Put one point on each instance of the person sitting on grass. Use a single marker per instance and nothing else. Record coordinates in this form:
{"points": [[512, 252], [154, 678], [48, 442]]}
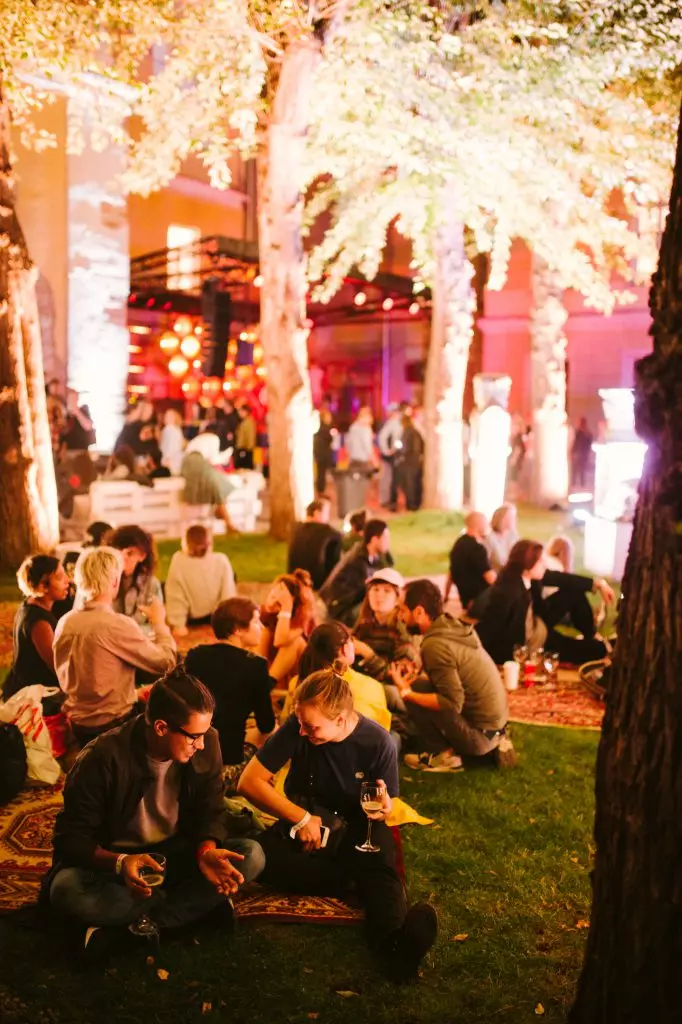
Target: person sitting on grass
{"points": [[151, 787], [139, 585], [332, 751], [344, 591], [199, 578], [520, 611], [97, 650], [379, 637], [315, 545], [469, 565], [331, 645], [43, 581], [461, 708], [288, 617], [239, 682]]}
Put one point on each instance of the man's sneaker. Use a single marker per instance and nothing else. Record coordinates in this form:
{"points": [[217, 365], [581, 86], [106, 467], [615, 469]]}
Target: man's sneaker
{"points": [[443, 763], [413, 941], [504, 754]]}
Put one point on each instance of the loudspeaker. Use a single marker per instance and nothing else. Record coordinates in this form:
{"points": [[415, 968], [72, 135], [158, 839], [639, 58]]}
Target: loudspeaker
{"points": [[216, 313]]}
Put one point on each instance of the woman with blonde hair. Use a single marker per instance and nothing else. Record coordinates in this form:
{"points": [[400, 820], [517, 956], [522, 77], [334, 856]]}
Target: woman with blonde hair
{"points": [[502, 536], [314, 846]]}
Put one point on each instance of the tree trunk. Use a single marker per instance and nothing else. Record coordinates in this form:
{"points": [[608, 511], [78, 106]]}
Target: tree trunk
{"points": [[29, 519], [446, 368], [548, 389], [631, 973], [282, 263]]}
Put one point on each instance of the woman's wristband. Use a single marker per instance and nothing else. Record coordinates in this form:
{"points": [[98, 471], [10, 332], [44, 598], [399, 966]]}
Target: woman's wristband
{"points": [[119, 863], [202, 848], [295, 829]]}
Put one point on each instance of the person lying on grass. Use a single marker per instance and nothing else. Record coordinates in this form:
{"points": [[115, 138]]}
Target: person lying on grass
{"points": [[314, 847]]}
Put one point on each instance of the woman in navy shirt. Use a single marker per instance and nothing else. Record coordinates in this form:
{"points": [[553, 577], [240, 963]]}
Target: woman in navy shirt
{"points": [[332, 750]]}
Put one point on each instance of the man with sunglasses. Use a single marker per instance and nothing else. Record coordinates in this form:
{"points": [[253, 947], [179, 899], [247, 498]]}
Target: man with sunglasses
{"points": [[152, 785]]}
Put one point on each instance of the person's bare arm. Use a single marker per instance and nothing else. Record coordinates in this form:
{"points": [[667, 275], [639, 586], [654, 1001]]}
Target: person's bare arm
{"points": [[42, 637], [256, 784]]}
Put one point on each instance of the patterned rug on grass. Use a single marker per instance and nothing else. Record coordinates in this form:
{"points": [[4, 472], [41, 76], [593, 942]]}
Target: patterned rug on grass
{"points": [[568, 705], [26, 827]]}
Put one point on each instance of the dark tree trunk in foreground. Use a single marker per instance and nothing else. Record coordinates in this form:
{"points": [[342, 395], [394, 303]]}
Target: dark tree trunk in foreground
{"points": [[29, 519], [633, 963]]}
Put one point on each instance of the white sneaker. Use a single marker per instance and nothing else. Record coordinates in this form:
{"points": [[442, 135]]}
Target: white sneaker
{"points": [[445, 763]]}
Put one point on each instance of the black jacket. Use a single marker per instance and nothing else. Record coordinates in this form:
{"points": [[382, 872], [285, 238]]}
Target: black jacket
{"points": [[503, 624], [345, 588], [315, 547], [105, 786]]}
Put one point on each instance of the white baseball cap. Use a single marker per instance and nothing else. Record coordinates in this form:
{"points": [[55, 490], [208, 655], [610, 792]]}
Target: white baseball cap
{"points": [[391, 576]]}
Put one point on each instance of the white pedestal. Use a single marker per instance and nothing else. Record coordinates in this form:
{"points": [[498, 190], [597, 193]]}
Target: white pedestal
{"points": [[606, 546]]}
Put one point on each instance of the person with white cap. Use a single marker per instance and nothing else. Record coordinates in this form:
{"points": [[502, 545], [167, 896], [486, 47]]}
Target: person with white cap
{"points": [[380, 639]]}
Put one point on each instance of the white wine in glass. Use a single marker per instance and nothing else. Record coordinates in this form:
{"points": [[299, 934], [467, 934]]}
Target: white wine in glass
{"points": [[152, 875], [372, 796]]}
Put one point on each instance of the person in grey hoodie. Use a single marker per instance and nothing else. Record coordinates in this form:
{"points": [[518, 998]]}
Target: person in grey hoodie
{"points": [[462, 706]]}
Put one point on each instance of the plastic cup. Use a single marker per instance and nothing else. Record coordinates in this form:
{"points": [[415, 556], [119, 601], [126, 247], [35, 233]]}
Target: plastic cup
{"points": [[510, 674]]}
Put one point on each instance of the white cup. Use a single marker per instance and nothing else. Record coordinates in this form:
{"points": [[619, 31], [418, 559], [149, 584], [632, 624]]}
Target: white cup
{"points": [[510, 673]]}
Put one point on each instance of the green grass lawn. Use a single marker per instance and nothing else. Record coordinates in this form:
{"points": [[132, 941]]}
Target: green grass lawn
{"points": [[420, 542], [506, 865]]}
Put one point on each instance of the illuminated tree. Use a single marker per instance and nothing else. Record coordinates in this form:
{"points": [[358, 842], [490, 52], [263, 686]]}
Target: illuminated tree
{"points": [[41, 44], [631, 968], [514, 125]]}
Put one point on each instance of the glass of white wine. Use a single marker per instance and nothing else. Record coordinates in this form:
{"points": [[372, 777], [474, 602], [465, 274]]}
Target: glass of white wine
{"points": [[372, 796], [152, 875]]}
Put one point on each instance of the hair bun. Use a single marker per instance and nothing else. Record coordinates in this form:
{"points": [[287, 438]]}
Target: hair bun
{"points": [[303, 577]]}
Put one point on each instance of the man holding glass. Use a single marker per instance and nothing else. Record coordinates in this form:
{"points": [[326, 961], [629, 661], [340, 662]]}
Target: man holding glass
{"points": [[341, 764], [142, 801]]}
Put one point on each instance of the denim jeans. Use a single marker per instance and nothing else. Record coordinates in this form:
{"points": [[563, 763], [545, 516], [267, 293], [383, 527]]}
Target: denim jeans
{"points": [[100, 898]]}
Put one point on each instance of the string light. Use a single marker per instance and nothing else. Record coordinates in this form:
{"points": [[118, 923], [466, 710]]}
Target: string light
{"points": [[178, 366], [414, 309], [183, 326], [190, 346], [169, 342], [258, 281], [387, 305], [360, 298]]}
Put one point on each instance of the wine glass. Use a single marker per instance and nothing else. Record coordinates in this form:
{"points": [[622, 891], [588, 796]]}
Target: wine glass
{"points": [[372, 802], [520, 653], [152, 876], [551, 663]]}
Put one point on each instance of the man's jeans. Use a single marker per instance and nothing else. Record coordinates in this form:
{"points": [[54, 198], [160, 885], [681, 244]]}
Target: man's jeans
{"points": [[446, 728], [100, 898]]}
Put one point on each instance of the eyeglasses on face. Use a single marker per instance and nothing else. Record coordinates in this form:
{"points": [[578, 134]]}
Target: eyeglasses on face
{"points": [[193, 737]]}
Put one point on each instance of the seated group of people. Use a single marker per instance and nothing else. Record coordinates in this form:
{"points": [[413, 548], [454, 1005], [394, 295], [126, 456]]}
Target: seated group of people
{"points": [[518, 591], [388, 667]]}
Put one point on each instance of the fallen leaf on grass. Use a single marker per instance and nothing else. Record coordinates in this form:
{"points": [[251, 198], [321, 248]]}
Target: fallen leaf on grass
{"points": [[434, 827], [308, 970], [407, 778], [206, 1007], [582, 924], [462, 937], [313, 1016], [346, 993], [149, 961], [163, 975], [539, 1010], [532, 821]]}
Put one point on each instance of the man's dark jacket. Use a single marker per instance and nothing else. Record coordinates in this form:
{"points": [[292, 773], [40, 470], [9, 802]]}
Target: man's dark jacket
{"points": [[315, 547], [105, 786]]}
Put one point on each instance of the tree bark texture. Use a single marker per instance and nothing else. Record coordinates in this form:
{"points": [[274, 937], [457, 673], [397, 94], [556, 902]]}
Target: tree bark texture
{"points": [[548, 388], [631, 973], [452, 321], [29, 519], [284, 334]]}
